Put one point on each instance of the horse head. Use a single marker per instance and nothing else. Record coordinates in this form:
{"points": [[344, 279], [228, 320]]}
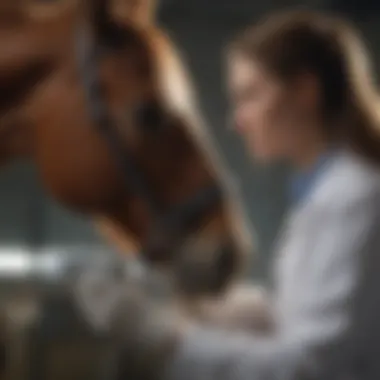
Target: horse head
{"points": [[117, 134]]}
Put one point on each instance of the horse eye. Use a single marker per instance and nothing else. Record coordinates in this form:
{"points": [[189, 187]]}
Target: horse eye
{"points": [[150, 116]]}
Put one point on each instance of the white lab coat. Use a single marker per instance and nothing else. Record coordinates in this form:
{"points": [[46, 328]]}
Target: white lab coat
{"points": [[326, 301]]}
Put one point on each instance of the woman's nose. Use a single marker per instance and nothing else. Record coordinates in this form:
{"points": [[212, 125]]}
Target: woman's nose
{"points": [[239, 123]]}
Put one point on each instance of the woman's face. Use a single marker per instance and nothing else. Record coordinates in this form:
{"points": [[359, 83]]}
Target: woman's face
{"points": [[269, 115]]}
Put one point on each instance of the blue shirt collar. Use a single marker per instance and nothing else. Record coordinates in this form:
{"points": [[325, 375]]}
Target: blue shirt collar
{"points": [[302, 183]]}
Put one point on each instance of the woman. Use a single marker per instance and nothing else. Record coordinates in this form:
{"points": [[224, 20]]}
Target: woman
{"points": [[302, 91]]}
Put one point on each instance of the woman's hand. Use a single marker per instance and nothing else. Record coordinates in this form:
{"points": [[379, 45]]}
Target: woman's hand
{"points": [[146, 331], [243, 307]]}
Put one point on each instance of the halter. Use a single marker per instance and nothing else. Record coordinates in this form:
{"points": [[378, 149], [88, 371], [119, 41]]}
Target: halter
{"points": [[177, 220]]}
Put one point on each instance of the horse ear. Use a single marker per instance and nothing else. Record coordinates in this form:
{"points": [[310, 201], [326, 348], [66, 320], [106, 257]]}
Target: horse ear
{"points": [[140, 12]]}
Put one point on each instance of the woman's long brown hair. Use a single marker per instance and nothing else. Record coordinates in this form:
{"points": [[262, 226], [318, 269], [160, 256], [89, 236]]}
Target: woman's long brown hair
{"points": [[291, 43]]}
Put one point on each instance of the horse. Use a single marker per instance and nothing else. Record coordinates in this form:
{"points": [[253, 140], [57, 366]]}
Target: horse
{"points": [[96, 95]]}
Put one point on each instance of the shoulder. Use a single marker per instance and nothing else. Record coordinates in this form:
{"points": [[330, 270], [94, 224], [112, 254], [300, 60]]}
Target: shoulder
{"points": [[348, 184], [341, 221], [346, 199]]}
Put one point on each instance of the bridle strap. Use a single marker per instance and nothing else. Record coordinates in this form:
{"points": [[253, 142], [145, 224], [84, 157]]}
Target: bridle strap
{"points": [[89, 56], [178, 218]]}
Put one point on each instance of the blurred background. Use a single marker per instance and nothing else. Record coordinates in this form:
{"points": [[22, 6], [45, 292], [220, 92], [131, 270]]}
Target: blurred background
{"points": [[42, 245]]}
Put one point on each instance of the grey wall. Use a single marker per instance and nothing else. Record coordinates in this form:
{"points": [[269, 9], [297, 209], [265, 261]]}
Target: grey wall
{"points": [[29, 218]]}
